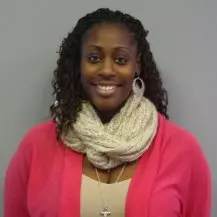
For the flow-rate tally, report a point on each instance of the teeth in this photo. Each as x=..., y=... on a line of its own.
x=105, y=88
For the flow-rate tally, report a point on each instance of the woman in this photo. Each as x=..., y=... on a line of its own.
x=109, y=150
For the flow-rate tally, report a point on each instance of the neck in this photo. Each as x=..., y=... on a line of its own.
x=106, y=116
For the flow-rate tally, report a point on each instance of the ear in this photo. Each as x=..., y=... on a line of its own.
x=138, y=63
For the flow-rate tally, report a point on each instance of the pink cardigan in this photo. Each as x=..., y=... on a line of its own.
x=172, y=178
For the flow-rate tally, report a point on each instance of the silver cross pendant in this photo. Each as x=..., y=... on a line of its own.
x=105, y=212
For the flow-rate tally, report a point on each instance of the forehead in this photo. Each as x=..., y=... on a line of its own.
x=109, y=35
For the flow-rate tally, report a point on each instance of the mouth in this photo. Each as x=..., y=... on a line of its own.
x=106, y=90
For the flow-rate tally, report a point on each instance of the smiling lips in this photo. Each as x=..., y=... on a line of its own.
x=105, y=89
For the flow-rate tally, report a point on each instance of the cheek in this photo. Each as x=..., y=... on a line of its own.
x=128, y=75
x=88, y=70
x=85, y=73
x=129, y=84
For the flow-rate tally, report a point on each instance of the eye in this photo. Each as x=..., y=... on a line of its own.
x=94, y=58
x=120, y=60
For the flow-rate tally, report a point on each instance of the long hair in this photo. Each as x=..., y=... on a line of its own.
x=66, y=83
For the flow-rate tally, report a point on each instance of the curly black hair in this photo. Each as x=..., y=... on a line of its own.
x=66, y=83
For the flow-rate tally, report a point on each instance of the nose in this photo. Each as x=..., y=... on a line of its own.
x=107, y=69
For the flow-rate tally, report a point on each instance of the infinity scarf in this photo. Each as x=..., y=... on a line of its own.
x=124, y=139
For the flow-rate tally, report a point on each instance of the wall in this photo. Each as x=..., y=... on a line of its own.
x=183, y=39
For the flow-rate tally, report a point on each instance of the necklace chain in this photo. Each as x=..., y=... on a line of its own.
x=106, y=211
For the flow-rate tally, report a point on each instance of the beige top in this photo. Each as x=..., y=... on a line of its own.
x=92, y=197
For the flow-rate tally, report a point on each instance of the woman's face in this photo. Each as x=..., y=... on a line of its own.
x=109, y=62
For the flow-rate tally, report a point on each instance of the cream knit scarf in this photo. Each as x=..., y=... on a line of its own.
x=124, y=139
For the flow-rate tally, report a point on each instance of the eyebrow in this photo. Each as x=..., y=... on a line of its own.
x=115, y=47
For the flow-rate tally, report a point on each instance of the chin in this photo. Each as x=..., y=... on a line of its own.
x=106, y=108
x=106, y=105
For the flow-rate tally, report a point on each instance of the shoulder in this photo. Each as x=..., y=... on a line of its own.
x=41, y=136
x=179, y=146
x=42, y=131
x=34, y=150
x=38, y=144
x=175, y=137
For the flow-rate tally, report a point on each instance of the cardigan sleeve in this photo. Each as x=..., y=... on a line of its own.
x=16, y=182
x=183, y=185
x=199, y=200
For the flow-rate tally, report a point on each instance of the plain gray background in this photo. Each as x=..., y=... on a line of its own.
x=183, y=38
